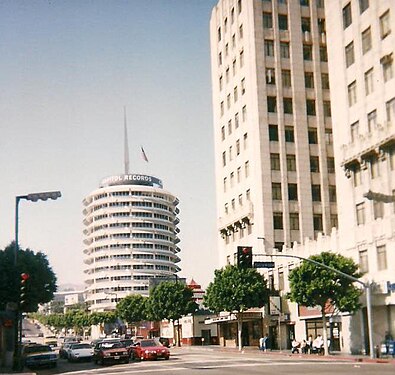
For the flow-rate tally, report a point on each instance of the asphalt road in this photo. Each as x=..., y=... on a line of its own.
x=192, y=361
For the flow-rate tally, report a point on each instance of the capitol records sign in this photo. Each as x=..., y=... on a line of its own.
x=132, y=179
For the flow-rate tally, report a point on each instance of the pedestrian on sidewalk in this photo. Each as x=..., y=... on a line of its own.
x=262, y=342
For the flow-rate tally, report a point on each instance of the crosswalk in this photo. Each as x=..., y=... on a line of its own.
x=193, y=363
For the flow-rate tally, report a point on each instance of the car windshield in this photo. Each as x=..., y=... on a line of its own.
x=37, y=349
x=146, y=343
x=127, y=342
x=80, y=346
x=111, y=345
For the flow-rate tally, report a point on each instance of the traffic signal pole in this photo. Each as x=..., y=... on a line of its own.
x=366, y=286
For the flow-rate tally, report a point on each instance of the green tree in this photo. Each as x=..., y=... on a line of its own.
x=236, y=290
x=170, y=300
x=312, y=285
x=40, y=286
x=132, y=308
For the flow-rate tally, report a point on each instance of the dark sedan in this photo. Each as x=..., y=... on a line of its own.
x=110, y=352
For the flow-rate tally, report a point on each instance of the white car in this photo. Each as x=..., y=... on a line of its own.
x=79, y=351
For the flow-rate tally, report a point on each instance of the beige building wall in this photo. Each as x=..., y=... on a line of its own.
x=273, y=139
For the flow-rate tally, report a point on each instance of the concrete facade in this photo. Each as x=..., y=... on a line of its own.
x=130, y=238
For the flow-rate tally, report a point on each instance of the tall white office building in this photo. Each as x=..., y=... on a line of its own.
x=130, y=238
x=274, y=158
x=361, y=48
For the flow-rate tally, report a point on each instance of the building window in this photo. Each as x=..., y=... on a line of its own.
x=232, y=15
x=313, y=137
x=233, y=203
x=283, y=22
x=222, y=108
x=310, y=107
x=360, y=209
x=275, y=162
x=386, y=63
x=332, y=194
x=372, y=120
x=284, y=50
x=229, y=127
x=276, y=191
x=363, y=261
x=269, y=48
x=385, y=26
x=238, y=174
x=271, y=104
x=225, y=184
x=228, y=101
x=316, y=193
x=242, y=85
x=241, y=59
x=330, y=162
x=223, y=133
x=286, y=78
x=357, y=176
x=280, y=280
x=317, y=222
x=307, y=52
x=232, y=179
x=334, y=221
x=328, y=137
x=321, y=25
x=239, y=6
x=292, y=192
x=287, y=103
x=369, y=82
x=234, y=67
x=306, y=24
x=247, y=168
x=352, y=93
x=233, y=41
x=244, y=113
x=270, y=76
x=381, y=258
x=224, y=159
x=354, y=131
x=347, y=18
x=350, y=54
x=238, y=147
x=220, y=83
x=363, y=5
x=240, y=199
x=267, y=20
x=325, y=81
x=314, y=164
x=273, y=133
x=374, y=167
x=309, y=80
x=220, y=58
x=323, y=54
x=390, y=110
x=378, y=210
x=294, y=221
x=241, y=33
x=235, y=95
x=291, y=163
x=227, y=75
x=277, y=220
x=366, y=40
x=248, y=195
x=245, y=140
x=236, y=120
x=289, y=134
x=327, y=108
x=304, y=3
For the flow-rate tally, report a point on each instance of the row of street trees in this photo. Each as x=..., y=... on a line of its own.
x=236, y=289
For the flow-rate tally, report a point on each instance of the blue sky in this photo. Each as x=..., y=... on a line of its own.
x=67, y=70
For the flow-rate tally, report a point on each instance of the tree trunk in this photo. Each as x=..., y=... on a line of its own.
x=239, y=328
x=324, y=333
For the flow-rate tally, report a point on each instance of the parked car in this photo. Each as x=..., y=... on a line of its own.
x=64, y=349
x=128, y=344
x=79, y=351
x=50, y=340
x=149, y=349
x=35, y=355
x=111, y=351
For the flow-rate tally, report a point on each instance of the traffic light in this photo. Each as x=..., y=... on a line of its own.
x=22, y=295
x=244, y=256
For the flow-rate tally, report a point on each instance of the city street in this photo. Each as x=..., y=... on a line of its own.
x=218, y=362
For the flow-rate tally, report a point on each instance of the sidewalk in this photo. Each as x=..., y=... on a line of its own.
x=287, y=353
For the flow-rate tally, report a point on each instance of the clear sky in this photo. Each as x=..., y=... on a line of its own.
x=67, y=69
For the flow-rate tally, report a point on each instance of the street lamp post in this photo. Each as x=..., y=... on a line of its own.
x=33, y=197
x=366, y=286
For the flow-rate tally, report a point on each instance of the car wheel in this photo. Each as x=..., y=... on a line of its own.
x=167, y=358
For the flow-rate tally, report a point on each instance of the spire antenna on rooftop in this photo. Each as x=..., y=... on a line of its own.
x=126, y=146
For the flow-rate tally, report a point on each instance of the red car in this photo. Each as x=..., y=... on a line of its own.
x=149, y=349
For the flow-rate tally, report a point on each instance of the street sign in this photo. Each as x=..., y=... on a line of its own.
x=264, y=265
